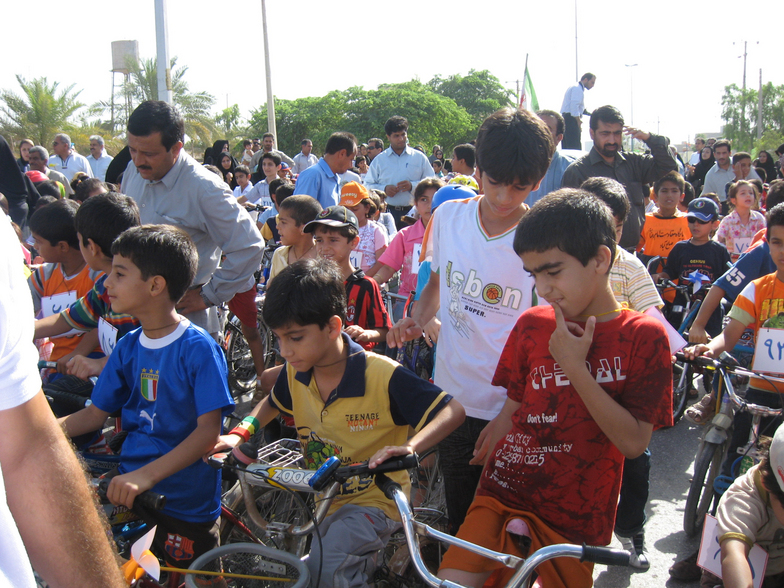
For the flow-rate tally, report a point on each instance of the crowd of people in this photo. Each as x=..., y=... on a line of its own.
x=524, y=270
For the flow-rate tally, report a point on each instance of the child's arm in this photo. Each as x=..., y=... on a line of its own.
x=264, y=412
x=735, y=565
x=447, y=420
x=569, y=346
x=407, y=329
x=380, y=272
x=660, y=276
x=85, y=367
x=87, y=343
x=123, y=489
x=493, y=432
x=84, y=421
x=361, y=335
x=724, y=342
x=711, y=302
x=51, y=326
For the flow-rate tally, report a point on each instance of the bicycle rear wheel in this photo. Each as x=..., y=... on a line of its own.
x=701, y=494
x=682, y=382
x=242, y=371
x=271, y=568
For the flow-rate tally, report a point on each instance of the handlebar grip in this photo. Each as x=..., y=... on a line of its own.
x=43, y=364
x=147, y=499
x=396, y=464
x=67, y=398
x=701, y=361
x=605, y=556
x=323, y=475
x=386, y=485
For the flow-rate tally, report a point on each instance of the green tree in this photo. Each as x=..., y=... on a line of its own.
x=480, y=93
x=741, y=128
x=42, y=111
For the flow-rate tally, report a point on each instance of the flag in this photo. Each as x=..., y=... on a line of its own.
x=528, y=97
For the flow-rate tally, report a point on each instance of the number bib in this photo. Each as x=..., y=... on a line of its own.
x=415, y=258
x=55, y=304
x=107, y=335
x=769, y=351
x=355, y=257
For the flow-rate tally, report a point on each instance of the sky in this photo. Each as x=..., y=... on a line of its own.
x=686, y=52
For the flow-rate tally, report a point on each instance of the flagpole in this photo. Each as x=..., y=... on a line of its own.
x=525, y=79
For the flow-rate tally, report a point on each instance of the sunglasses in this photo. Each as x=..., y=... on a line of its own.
x=691, y=219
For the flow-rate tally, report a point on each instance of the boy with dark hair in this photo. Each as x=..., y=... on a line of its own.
x=667, y=226
x=268, y=172
x=349, y=403
x=584, y=375
x=478, y=283
x=295, y=212
x=98, y=222
x=269, y=230
x=336, y=234
x=64, y=277
x=244, y=185
x=169, y=379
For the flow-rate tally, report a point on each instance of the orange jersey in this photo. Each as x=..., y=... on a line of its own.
x=659, y=235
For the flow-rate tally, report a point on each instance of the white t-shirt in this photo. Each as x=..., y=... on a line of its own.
x=19, y=382
x=484, y=289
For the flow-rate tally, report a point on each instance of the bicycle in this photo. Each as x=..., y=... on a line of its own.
x=706, y=483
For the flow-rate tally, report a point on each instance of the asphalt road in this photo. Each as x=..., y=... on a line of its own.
x=673, y=453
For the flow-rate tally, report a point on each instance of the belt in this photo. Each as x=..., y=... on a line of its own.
x=398, y=207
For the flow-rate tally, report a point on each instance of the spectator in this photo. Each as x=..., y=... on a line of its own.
x=376, y=146
x=99, y=159
x=322, y=181
x=66, y=160
x=24, y=152
x=552, y=179
x=305, y=158
x=268, y=146
x=573, y=109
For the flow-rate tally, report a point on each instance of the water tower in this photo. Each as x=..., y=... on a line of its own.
x=125, y=57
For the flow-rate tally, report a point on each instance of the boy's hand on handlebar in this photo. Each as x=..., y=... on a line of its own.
x=389, y=451
x=432, y=329
x=697, y=351
x=124, y=489
x=225, y=443
x=84, y=367
x=697, y=334
x=404, y=330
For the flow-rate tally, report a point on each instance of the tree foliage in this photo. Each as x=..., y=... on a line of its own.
x=742, y=129
x=42, y=111
x=480, y=93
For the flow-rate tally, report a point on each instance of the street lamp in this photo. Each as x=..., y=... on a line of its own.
x=631, y=76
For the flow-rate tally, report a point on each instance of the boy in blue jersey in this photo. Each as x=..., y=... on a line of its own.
x=169, y=379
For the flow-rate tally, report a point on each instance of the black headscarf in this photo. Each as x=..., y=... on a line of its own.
x=17, y=187
x=769, y=166
x=225, y=172
x=702, y=167
x=117, y=165
x=213, y=154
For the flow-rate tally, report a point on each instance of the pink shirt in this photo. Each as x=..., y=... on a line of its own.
x=400, y=254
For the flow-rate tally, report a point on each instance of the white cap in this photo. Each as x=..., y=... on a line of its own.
x=776, y=456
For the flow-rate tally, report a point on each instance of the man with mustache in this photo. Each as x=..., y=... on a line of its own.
x=633, y=170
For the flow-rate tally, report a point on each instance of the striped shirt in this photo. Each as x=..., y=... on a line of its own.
x=364, y=305
x=632, y=284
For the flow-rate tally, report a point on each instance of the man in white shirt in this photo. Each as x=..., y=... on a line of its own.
x=723, y=171
x=37, y=158
x=305, y=158
x=67, y=161
x=398, y=170
x=699, y=145
x=99, y=159
x=573, y=108
x=268, y=146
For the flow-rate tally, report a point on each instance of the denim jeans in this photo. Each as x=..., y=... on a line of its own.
x=630, y=516
x=460, y=479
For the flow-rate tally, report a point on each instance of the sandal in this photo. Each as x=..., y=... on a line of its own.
x=686, y=570
x=700, y=412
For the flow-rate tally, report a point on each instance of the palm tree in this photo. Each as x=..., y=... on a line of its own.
x=41, y=112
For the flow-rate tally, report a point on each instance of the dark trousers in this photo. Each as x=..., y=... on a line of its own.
x=460, y=479
x=397, y=213
x=571, y=138
x=630, y=516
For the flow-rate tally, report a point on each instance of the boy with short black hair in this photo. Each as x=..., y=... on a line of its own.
x=348, y=403
x=667, y=226
x=169, y=379
x=585, y=376
x=269, y=230
x=479, y=285
x=64, y=277
x=242, y=177
x=336, y=235
x=98, y=222
x=267, y=173
x=294, y=213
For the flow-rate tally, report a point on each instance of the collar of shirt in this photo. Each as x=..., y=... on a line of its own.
x=171, y=176
x=326, y=169
x=594, y=158
x=352, y=384
x=389, y=152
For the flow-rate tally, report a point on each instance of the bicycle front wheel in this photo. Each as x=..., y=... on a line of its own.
x=248, y=565
x=700, y=497
x=682, y=381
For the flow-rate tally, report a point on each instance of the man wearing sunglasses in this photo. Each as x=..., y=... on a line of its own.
x=375, y=146
x=66, y=160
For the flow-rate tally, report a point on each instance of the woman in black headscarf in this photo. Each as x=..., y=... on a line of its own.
x=17, y=187
x=226, y=164
x=765, y=161
x=213, y=154
x=706, y=162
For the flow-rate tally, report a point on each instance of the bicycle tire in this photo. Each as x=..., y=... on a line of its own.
x=682, y=381
x=242, y=370
x=701, y=493
x=250, y=559
x=275, y=506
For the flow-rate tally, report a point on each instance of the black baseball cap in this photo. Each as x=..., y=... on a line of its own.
x=334, y=216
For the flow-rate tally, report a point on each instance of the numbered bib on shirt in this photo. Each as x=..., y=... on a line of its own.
x=417, y=251
x=769, y=351
x=740, y=245
x=107, y=336
x=57, y=303
x=355, y=257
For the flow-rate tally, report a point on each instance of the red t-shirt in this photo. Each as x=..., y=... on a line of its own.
x=556, y=462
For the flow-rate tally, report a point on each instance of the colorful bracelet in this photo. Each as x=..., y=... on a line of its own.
x=246, y=428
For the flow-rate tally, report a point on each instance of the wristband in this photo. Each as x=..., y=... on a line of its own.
x=246, y=428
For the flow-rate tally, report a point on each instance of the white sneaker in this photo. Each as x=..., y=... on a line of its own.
x=636, y=548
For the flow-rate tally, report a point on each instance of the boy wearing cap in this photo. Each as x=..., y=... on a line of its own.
x=699, y=259
x=752, y=511
x=372, y=236
x=336, y=234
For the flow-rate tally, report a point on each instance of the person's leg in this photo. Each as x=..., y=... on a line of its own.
x=180, y=542
x=460, y=479
x=630, y=516
x=351, y=539
x=243, y=305
x=571, y=139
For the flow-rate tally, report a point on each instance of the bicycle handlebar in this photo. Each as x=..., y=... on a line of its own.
x=147, y=499
x=605, y=555
x=332, y=471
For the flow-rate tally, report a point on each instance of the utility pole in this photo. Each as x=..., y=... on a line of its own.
x=270, y=99
x=576, y=68
x=162, y=44
x=759, y=108
x=743, y=95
